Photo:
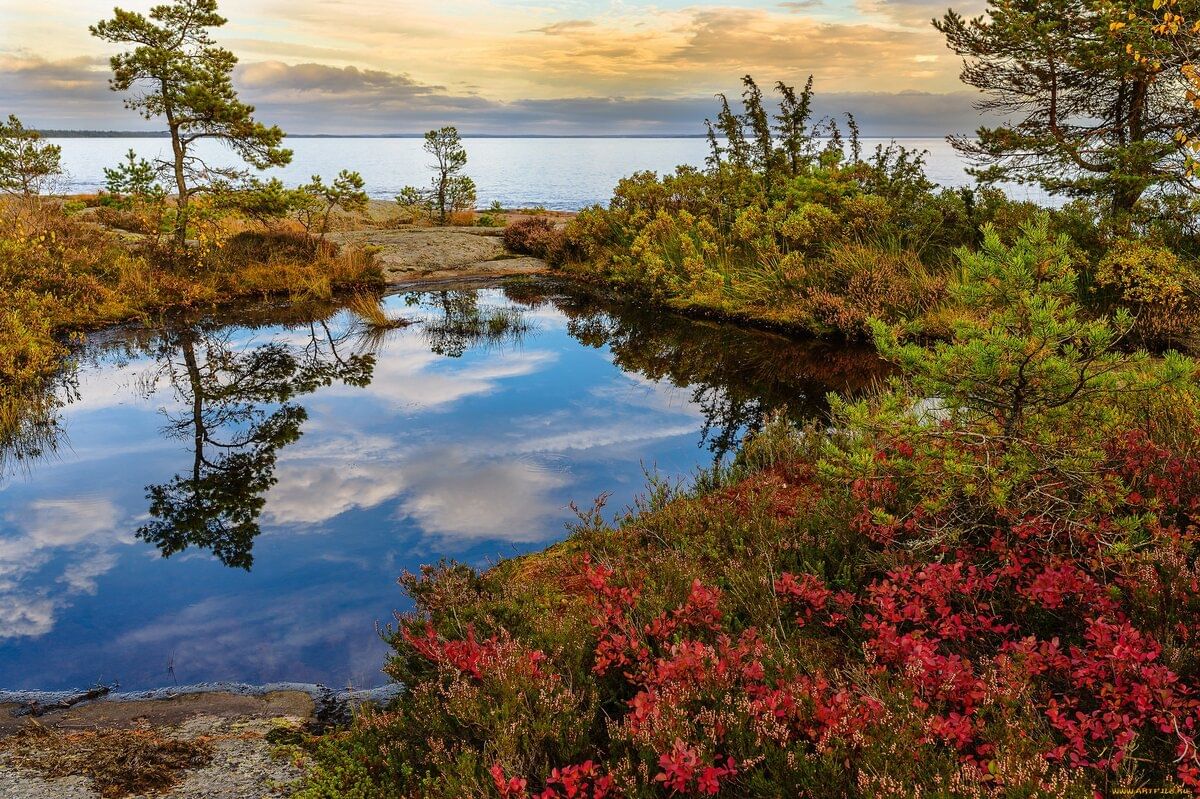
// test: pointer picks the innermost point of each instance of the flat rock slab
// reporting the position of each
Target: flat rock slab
(235, 719)
(422, 253)
(243, 766)
(169, 712)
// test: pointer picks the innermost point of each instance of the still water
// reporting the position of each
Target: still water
(556, 173)
(233, 498)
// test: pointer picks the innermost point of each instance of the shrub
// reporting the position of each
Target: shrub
(537, 236)
(857, 283)
(1159, 287)
(274, 247)
(990, 595)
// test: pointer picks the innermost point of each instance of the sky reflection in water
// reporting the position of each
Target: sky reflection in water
(331, 461)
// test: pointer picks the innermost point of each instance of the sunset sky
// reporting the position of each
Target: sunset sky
(574, 66)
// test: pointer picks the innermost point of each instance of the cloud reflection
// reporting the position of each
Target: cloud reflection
(73, 536)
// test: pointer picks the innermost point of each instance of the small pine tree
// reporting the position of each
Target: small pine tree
(346, 192)
(450, 190)
(28, 165)
(1026, 350)
(132, 179)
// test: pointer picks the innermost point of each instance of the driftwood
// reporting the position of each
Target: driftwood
(36, 708)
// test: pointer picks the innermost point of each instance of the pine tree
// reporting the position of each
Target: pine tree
(178, 73)
(27, 164)
(1083, 119)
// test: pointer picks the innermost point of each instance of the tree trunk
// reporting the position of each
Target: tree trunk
(1134, 131)
(442, 197)
(181, 203)
(1126, 198)
(188, 346)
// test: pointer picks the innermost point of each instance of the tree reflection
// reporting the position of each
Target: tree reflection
(239, 413)
(738, 376)
(462, 325)
(30, 424)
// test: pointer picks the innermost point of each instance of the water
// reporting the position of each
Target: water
(234, 498)
(560, 174)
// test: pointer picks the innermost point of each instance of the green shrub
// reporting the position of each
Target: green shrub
(1159, 287)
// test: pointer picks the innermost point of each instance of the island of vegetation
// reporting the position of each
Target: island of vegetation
(979, 580)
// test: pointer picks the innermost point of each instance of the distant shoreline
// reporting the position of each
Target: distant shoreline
(154, 134)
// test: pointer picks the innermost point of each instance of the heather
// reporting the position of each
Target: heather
(979, 580)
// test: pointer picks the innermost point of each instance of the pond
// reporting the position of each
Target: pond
(233, 497)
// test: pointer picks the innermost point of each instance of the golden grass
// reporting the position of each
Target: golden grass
(369, 310)
(461, 218)
(61, 274)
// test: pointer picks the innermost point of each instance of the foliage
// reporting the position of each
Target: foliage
(1162, 35)
(132, 179)
(176, 71)
(346, 193)
(537, 236)
(993, 593)
(1159, 287)
(135, 199)
(59, 274)
(450, 190)
(1086, 119)
(794, 226)
(28, 166)
(783, 226)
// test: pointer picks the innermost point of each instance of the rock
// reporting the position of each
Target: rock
(235, 718)
(411, 254)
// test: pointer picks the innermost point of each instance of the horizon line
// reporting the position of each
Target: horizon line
(52, 133)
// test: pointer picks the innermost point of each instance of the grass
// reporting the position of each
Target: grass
(118, 763)
(371, 313)
(61, 275)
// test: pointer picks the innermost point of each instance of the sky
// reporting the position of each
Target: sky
(514, 66)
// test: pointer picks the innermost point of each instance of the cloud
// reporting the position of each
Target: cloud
(26, 617)
(468, 484)
(80, 532)
(918, 14)
(566, 26)
(71, 92)
(317, 98)
(451, 493)
(373, 67)
(268, 78)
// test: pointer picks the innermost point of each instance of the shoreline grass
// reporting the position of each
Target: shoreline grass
(61, 276)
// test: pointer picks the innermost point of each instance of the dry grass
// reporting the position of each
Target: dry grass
(369, 310)
(118, 762)
(60, 274)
